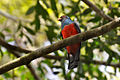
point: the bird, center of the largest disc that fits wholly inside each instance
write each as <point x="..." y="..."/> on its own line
<point x="70" y="28"/>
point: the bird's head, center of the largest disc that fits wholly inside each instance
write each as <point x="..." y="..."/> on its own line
<point x="62" y="18"/>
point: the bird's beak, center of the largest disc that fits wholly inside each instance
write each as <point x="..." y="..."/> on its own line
<point x="59" y="19"/>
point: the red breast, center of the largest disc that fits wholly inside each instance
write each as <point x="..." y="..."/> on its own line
<point x="68" y="31"/>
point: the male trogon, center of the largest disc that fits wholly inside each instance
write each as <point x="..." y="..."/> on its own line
<point x="69" y="28"/>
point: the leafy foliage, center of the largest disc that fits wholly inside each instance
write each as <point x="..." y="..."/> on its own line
<point x="39" y="25"/>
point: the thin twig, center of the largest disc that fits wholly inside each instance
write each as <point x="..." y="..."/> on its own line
<point x="97" y="10"/>
<point x="12" y="47"/>
<point x="32" y="70"/>
<point x="29" y="66"/>
<point x="13" y="18"/>
<point x="85" y="61"/>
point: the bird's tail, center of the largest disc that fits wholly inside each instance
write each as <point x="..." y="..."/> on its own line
<point x="74" y="60"/>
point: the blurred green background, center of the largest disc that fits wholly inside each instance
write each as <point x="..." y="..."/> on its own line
<point x="31" y="24"/>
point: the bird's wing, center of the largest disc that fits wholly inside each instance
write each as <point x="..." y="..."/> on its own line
<point x="77" y="28"/>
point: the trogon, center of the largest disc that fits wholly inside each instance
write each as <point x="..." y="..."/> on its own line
<point x="70" y="28"/>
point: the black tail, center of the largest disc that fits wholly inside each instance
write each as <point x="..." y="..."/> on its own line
<point x="74" y="60"/>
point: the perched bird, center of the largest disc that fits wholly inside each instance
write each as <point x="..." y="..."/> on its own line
<point x="70" y="28"/>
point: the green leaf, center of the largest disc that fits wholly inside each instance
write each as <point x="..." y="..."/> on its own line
<point x="7" y="75"/>
<point x="109" y="59"/>
<point x="63" y="69"/>
<point x="110" y="52"/>
<point x="106" y="1"/>
<point x="29" y="40"/>
<point x="50" y="33"/>
<point x="2" y="35"/>
<point x="95" y="19"/>
<point x="37" y="23"/>
<point x="8" y="30"/>
<point x="53" y="4"/>
<point x="30" y="10"/>
<point x="23" y="77"/>
<point x="89" y="51"/>
<point x="10" y="40"/>
<point x="117" y="2"/>
<point x="54" y="8"/>
<point x="41" y="70"/>
<point x="21" y="34"/>
<point x="97" y="43"/>
<point x="87" y="11"/>
<point x="29" y="30"/>
<point x="115" y="12"/>
<point x="63" y="8"/>
<point x="21" y="69"/>
<point x="48" y="62"/>
<point x="1" y="52"/>
<point x="41" y="11"/>
<point x="19" y="26"/>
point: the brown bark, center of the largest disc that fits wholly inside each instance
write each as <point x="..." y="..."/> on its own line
<point x="97" y="10"/>
<point x="58" y="45"/>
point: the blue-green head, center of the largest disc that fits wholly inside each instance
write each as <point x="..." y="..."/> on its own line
<point x="65" y="20"/>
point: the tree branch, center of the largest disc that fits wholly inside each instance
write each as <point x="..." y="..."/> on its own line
<point x="8" y="16"/>
<point x="97" y="10"/>
<point x="12" y="47"/>
<point x="15" y="49"/>
<point x="60" y="44"/>
<point x="29" y="66"/>
<point x="13" y="18"/>
<point x="85" y="61"/>
<point x="32" y="70"/>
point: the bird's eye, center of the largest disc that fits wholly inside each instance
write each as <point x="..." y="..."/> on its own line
<point x="67" y="17"/>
